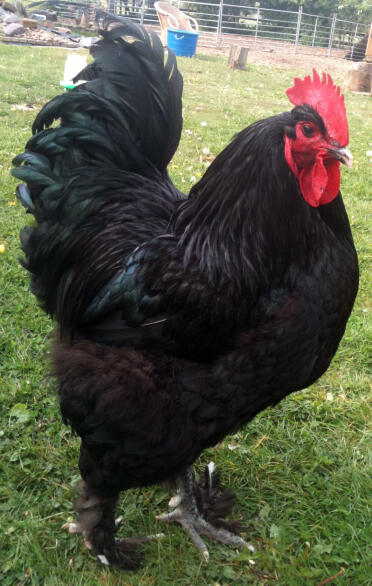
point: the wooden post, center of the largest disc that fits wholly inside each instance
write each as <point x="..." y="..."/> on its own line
<point x="238" y="57"/>
<point x="84" y="21"/>
<point x="359" y="78"/>
<point x="369" y="46"/>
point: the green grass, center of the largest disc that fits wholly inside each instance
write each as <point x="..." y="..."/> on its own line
<point x="301" y="471"/>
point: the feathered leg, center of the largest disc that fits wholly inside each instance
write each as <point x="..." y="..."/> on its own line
<point x="96" y="522"/>
<point x="195" y="505"/>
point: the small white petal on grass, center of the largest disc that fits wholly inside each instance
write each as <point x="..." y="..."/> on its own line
<point x="188" y="131"/>
<point x="329" y="397"/>
<point x="233" y="447"/>
<point x="206" y="151"/>
<point x="365" y="310"/>
<point x="369" y="153"/>
<point x="203" y="123"/>
<point x="192" y="179"/>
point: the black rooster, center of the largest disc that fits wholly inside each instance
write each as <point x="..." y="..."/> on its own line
<point x="180" y="318"/>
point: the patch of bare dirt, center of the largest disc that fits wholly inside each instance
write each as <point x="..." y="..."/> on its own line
<point x="335" y="64"/>
<point x="321" y="63"/>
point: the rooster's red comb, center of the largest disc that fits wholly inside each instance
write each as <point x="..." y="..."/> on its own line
<point x="325" y="97"/>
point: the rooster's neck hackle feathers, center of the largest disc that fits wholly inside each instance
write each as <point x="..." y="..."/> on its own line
<point x="231" y="232"/>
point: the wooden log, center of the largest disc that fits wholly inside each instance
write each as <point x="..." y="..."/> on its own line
<point x="238" y="57"/>
<point x="29" y="23"/>
<point x="359" y="78"/>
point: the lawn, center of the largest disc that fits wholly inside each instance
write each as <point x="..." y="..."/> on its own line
<point x="301" y="471"/>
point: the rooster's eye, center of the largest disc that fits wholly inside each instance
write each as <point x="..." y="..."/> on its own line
<point x="308" y="130"/>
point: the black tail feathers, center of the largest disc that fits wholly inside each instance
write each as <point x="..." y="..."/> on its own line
<point x="133" y="100"/>
<point x="111" y="134"/>
<point x="128" y="116"/>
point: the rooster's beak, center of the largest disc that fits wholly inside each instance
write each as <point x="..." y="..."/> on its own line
<point x="343" y="155"/>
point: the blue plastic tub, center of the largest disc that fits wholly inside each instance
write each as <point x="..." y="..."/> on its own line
<point x="183" y="43"/>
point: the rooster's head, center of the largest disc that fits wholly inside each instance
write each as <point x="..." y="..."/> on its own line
<point x="316" y="143"/>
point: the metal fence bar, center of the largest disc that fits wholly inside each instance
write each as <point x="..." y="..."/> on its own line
<point x="219" y="22"/>
<point x="142" y="12"/>
<point x="298" y="28"/>
<point x="258" y="15"/>
<point x="332" y="33"/>
<point x="314" y="33"/>
<point x="254" y="8"/>
<point x="355" y="36"/>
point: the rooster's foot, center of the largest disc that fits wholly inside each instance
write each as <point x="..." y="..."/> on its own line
<point x="75" y="528"/>
<point x="196" y="526"/>
<point x="97" y="524"/>
<point x="121" y="553"/>
<point x="200" y="510"/>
